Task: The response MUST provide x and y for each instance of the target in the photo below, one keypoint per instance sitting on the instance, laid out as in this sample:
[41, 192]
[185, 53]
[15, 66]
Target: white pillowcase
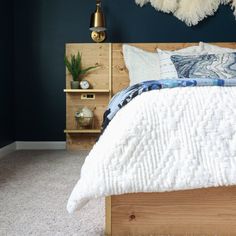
[167, 67]
[213, 49]
[142, 65]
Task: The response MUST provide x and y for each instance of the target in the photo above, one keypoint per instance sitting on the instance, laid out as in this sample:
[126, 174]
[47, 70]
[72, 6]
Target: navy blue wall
[7, 121]
[43, 27]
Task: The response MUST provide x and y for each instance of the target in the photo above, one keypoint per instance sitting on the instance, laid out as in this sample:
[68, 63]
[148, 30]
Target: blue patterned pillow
[212, 66]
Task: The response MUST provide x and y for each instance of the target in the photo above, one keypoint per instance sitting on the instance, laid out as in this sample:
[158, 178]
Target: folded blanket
[163, 140]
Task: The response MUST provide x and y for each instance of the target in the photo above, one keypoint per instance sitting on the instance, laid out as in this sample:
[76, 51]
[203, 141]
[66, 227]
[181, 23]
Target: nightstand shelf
[82, 131]
[86, 90]
[96, 98]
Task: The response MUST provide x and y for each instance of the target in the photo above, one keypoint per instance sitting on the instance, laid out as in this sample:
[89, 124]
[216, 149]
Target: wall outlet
[87, 96]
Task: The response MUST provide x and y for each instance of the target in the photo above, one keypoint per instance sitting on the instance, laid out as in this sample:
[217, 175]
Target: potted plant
[75, 69]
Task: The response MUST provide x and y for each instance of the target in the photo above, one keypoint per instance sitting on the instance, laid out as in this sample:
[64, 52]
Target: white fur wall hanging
[189, 11]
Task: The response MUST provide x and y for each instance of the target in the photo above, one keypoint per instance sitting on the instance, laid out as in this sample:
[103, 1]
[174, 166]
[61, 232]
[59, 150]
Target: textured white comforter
[164, 140]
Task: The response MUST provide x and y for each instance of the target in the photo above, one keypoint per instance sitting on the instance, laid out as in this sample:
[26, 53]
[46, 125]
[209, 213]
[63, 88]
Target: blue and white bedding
[206, 66]
[201, 64]
[163, 140]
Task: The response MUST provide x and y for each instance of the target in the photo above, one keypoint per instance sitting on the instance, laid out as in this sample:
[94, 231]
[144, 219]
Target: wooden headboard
[110, 58]
[112, 76]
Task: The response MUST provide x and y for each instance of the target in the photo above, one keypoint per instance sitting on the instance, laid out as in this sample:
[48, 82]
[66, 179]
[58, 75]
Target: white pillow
[167, 67]
[213, 49]
[142, 65]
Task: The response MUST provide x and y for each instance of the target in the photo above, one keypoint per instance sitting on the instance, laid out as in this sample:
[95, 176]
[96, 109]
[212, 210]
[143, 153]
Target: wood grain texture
[99, 79]
[208, 212]
[111, 77]
[83, 131]
[74, 103]
[108, 204]
[86, 90]
[75, 142]
[92, 55]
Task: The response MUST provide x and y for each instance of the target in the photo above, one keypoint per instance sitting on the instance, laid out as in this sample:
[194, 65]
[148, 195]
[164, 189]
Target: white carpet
[34, 188]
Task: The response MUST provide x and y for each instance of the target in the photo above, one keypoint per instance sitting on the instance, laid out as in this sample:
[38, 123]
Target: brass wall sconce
[97, 24]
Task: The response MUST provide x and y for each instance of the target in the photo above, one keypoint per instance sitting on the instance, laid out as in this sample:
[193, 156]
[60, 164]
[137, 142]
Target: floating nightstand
[86, 90]
[98, 96]
[83, 131]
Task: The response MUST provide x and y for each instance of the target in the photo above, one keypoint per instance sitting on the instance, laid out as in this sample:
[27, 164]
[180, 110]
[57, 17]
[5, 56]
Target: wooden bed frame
[201, 212]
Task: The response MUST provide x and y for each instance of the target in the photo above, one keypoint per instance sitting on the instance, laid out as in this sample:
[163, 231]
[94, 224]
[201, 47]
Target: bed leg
[108, 216]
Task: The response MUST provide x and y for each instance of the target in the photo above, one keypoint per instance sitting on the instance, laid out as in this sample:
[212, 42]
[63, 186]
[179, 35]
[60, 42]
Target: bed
[206, 211]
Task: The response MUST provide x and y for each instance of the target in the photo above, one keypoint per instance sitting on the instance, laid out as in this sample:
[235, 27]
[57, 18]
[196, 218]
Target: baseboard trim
[7, 149]
[40, 145]
[31, 146]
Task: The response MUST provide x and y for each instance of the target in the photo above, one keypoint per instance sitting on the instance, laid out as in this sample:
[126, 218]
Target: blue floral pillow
[213, 66]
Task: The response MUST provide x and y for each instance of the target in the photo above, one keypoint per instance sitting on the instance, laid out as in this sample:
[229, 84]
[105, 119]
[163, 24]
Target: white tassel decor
[165, 5]
[189, 11]
[141, 2]
[233, 6]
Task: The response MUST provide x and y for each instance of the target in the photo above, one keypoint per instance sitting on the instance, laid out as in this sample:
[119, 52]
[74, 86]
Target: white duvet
[163, 140]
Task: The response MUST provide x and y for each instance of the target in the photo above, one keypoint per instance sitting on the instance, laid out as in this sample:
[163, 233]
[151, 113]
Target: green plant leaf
[74, 66]
[84, 71]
